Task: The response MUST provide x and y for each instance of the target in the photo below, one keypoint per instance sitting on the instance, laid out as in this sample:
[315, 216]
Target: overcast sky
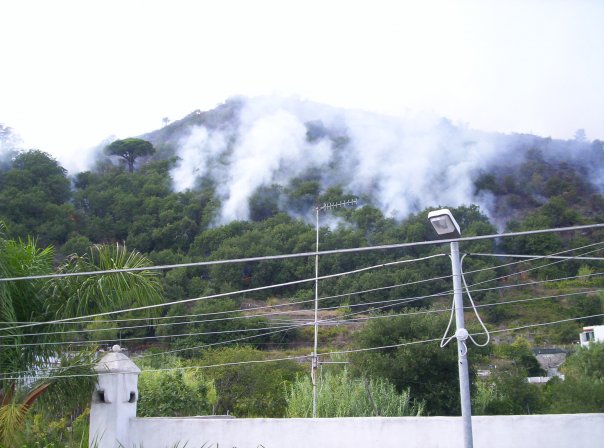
[76, 72]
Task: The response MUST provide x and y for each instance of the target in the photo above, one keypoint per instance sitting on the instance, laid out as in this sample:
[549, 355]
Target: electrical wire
[339, 320]
[466, 286]
[363, 269]
[139, 338]
[407, 300]
[529, 256]
[180, 350]
[306, 254]
[463, 278]
[213, 296]
[391, 302]
[533, 257]
[485, 305]
[306, 323]
[330, 353]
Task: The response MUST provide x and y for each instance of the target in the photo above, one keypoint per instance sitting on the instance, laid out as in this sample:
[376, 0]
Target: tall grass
[340, 395]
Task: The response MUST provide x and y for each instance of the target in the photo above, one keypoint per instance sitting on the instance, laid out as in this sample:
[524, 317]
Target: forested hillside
[243, 181]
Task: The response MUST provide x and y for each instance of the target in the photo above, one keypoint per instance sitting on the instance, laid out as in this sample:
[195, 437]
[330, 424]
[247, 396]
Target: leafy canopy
[130, 149]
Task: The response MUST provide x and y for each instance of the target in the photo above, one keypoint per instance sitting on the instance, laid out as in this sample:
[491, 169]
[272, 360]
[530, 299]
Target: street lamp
[446, 227]
[444, 223]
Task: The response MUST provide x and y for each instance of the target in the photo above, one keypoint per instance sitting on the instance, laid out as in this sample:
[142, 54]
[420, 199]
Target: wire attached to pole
[463, 278]
[445, 340]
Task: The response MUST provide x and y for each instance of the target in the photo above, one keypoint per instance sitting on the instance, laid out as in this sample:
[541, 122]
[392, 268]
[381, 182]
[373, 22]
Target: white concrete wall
[536, 431]
[113, 423]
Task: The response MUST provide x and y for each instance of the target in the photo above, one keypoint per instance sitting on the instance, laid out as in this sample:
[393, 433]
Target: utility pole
[315, 359]
[446, 227]
[461, 334]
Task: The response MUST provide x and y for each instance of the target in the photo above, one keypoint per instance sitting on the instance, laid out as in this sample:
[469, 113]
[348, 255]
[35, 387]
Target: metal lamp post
[446, 227]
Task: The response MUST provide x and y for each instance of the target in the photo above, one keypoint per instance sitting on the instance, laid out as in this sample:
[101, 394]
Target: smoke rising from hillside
[402, 165]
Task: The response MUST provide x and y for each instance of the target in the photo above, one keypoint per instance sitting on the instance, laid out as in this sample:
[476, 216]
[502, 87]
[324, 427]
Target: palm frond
[12, 417]
[109, 291]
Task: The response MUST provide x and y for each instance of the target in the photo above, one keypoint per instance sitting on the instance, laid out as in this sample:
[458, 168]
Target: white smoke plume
[198, 154]
[403, 165]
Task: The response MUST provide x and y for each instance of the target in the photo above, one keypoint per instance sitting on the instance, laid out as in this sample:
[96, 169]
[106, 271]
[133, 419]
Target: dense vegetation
[54, 222]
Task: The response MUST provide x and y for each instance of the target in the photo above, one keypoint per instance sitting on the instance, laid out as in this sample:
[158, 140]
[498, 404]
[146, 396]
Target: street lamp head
[444, 223]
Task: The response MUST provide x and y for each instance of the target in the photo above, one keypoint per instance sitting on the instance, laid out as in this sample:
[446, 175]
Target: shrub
[340, 395]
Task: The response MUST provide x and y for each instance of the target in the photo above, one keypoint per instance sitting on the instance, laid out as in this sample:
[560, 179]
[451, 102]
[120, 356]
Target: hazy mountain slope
[275, 147]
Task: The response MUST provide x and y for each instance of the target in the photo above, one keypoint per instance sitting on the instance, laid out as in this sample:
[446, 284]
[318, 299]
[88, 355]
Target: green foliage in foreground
[42, 432]
[28, 385]
[519, 352]
[583, 388]
[250, 390]
[508, 392]
[340, 395]
[246, 390]
[428, 371]
[174, 394]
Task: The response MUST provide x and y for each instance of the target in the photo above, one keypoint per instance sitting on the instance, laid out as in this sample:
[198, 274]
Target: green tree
[587, 362]
[583, 387]
[519, 352]
[130, 149]
[25, 354]
[429, 372]
[34, 195]
[574, 395]
[507, 392]
[173, 394]
[140, 208]
[264, 202]
[250, 390]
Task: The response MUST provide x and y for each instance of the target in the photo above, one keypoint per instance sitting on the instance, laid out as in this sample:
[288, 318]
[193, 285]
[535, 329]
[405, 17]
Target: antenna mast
[314, 358]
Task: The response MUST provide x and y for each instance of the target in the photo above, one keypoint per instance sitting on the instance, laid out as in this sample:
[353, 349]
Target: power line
[391, 302]
[538, 267]
[135, 319]
[485, 305]
[340, 320]
[541, 256]
[331, 353]
[398, 301]
[139, 338]
[304, 254]
[167, 352]
[305, 324]
[535, 257]
[308, 322]
[213, 296]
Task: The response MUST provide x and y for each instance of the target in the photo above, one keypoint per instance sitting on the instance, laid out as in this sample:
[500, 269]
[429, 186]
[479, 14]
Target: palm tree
[27, 305]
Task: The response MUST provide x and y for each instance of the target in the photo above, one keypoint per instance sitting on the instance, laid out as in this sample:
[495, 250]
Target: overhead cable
[307, 254]
[534, 257]
[331, 353]
[391, 302]
[213, 296]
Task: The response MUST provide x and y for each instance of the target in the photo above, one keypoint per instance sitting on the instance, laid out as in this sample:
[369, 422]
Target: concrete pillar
[113, 401]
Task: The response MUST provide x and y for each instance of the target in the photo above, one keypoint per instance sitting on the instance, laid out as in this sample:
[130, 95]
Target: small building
[550, 359]
[593, 333]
